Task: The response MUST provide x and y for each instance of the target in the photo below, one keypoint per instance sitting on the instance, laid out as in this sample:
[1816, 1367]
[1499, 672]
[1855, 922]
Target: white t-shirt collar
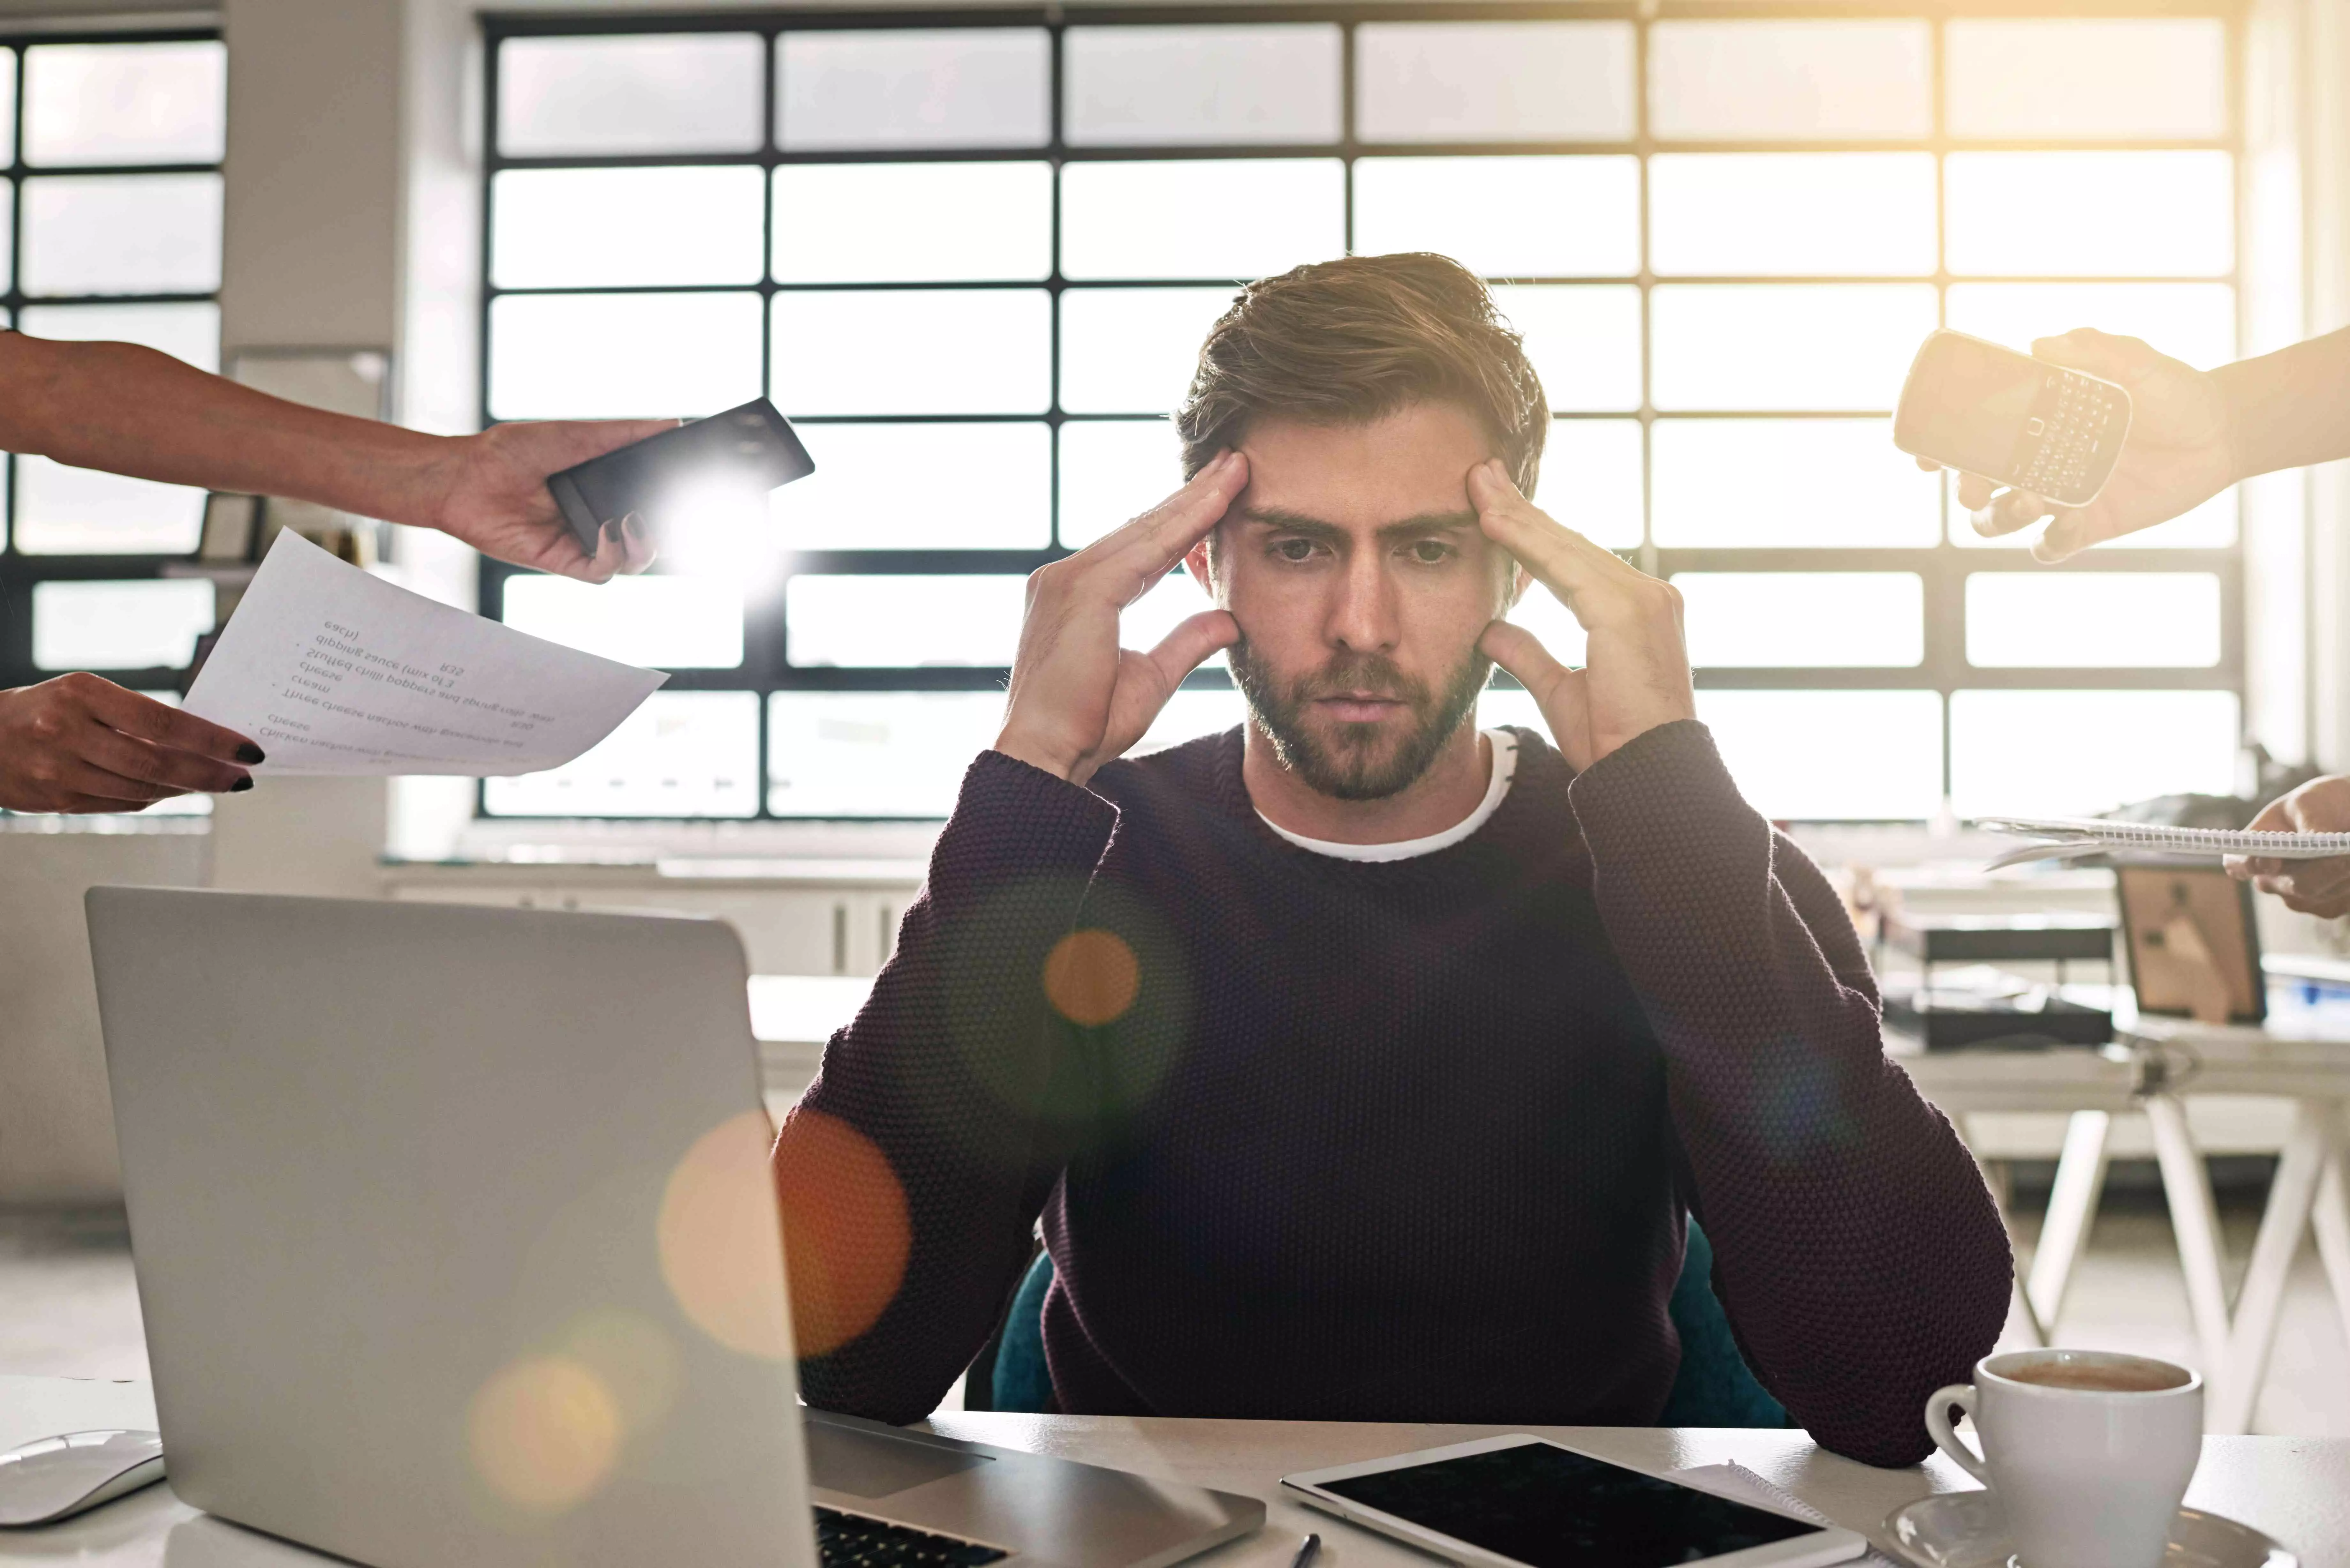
[1505, 765]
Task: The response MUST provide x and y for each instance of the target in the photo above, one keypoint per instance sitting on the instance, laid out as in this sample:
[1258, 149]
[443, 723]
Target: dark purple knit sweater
[1408, 1141]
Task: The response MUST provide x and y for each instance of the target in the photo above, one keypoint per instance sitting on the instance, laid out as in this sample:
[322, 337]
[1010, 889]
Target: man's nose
[1363, 618]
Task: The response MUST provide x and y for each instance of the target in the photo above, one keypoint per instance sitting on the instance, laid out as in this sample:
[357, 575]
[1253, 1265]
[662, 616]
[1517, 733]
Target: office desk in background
[2295, 1489]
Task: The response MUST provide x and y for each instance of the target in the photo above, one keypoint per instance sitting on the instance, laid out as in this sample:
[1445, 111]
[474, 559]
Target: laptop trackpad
[870, 1464]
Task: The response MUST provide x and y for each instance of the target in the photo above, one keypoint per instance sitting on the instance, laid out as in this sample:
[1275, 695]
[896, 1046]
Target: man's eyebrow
[1403, 528]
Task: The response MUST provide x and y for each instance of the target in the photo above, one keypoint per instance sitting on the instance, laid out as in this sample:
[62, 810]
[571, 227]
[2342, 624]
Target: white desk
[2296, 1489]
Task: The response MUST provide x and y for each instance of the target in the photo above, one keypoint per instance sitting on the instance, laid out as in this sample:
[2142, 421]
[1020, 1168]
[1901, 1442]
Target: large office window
[973, 262]
[111, 148]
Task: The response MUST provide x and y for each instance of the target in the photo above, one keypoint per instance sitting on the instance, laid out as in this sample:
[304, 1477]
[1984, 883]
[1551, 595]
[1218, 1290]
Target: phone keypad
[2071, 435]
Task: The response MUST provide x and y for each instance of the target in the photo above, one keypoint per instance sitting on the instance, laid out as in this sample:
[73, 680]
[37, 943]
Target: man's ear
[1195, 561]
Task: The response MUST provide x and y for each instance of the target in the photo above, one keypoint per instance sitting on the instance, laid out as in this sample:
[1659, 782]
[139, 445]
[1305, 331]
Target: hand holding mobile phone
[1983, 408]
[749, 450]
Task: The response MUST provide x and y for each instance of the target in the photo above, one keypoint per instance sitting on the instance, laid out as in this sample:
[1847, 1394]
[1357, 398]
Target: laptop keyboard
[847, 1540]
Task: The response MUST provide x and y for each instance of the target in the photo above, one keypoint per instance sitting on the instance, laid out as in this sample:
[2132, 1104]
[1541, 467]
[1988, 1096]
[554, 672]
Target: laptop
[456, 1247]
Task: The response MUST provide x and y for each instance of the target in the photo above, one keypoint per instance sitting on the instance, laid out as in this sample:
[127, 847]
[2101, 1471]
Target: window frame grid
[1944, 566]
[20, 572]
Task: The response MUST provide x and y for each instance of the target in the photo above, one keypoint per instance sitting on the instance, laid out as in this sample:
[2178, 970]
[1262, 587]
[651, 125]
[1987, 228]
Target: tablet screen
[1548, 1507]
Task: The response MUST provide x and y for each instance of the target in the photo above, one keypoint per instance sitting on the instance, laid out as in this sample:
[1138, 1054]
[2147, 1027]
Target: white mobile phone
[1523, 1502]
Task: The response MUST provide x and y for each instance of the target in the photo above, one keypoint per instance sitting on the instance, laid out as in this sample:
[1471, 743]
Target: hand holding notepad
[2071, 837]
[333, 670]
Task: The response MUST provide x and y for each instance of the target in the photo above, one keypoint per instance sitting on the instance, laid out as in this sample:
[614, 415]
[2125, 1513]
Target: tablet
[1521, 1501]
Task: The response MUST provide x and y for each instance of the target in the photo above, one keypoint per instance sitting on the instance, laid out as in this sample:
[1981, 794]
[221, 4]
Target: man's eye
[1293, 549]
[1431, 552]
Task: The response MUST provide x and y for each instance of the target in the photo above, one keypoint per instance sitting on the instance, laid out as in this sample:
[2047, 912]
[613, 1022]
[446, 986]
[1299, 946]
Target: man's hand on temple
[2319, 887]
[2178, 453]
[1637, 673]
[1078, 700]
[83, 744]
[491, 492]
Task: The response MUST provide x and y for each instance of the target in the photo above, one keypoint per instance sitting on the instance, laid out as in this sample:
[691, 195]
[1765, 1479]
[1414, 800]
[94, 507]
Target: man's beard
[1358, 761]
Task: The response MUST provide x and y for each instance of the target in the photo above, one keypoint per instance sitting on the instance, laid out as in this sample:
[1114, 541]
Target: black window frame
[20, 573]
[1944, 566]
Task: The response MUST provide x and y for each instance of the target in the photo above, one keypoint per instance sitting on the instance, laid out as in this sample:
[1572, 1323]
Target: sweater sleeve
[1861, 1261]
[912, 1171]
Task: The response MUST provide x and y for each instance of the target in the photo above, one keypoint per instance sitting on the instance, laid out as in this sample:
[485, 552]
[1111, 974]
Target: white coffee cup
[2087, 1451]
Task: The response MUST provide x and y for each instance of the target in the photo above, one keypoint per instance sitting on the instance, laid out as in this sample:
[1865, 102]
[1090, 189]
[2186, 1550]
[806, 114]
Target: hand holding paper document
[336, 671]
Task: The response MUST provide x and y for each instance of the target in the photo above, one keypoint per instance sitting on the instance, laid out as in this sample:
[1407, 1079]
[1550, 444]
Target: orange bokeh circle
[846, 1233]
[545, 1433]
[1091, 977]
[718, 1248]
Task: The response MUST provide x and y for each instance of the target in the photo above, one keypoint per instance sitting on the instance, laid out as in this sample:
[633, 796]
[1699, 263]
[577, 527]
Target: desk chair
[1713, 1388]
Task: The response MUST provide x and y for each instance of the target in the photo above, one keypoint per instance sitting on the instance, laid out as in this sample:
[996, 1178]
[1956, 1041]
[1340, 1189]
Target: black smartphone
[1985, 408]
[747, 449]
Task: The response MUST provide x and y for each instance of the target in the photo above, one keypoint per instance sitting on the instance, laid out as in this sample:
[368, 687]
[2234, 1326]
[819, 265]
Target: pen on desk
[1307, 1550]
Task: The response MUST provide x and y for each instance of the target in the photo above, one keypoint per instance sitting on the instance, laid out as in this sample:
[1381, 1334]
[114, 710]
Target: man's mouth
[1359, 707]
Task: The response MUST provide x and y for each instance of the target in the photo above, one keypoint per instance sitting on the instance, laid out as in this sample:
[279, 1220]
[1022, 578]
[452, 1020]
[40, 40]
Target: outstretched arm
[128, 409]
[1859, 1257]
[2192, 434]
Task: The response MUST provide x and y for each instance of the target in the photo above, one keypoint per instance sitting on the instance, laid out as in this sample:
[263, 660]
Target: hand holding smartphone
[749, 450]
[1983, 408]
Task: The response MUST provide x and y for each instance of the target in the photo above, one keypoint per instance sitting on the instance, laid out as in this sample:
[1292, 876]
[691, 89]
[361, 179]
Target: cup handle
[1937, 1424]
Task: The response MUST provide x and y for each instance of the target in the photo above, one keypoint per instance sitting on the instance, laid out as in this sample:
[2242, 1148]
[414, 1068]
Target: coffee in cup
[2088, 1451]
[2126, 1375]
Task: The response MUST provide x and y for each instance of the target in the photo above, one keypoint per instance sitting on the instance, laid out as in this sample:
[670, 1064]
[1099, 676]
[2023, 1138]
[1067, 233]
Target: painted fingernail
[240, 785]
[613, 531]
[248, 753]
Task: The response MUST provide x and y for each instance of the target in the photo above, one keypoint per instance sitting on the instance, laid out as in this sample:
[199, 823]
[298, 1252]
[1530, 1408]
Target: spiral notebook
[2071, 837]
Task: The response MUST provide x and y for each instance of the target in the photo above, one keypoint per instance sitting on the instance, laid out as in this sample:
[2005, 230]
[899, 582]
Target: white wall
[2324, 91]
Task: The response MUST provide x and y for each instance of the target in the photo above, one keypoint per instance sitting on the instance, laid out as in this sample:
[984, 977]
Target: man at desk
[1361, 1065]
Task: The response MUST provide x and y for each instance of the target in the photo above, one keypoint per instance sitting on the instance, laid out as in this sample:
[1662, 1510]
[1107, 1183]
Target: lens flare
[845, 1229]
[634, 1358]
[544, 1432]
[1091, 977]
[721, 1251]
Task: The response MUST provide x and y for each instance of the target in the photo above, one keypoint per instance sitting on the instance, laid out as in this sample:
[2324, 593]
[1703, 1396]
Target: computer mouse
[58, 1478]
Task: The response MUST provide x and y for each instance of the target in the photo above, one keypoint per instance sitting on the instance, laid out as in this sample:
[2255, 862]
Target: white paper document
[332, 670]
[2071, 837]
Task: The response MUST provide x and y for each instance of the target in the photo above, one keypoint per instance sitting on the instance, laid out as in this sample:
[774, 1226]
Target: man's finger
[1154, 542]
[1193, 642]
[1929, 465]
[1555, 688]
[1521, 653]
[1566, 561]
[148, 720]
[1975, 492]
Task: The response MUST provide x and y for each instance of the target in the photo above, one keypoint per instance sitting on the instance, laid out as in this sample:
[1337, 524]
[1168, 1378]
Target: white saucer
[1966, 1530]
